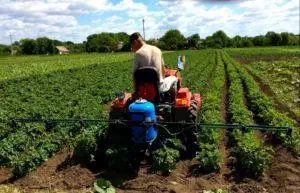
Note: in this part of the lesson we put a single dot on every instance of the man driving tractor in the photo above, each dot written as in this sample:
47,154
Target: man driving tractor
150,56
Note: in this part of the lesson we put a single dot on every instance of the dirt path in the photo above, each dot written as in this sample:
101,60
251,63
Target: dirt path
224,144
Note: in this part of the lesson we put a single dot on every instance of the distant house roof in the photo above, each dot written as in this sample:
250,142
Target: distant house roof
62,48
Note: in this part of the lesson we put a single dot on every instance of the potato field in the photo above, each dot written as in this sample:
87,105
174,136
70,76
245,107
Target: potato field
248,86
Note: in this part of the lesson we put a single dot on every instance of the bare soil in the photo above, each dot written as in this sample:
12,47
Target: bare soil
284,173
283,176
5,175
54,174
224,143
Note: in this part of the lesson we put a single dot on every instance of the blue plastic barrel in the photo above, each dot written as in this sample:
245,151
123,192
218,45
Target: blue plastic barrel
141,111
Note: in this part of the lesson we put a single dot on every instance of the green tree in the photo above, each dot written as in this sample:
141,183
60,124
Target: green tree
294,39
237,42
285,38
57,43
75,48
44,45
123,37
67,43
28,46
103,42
208,42
193,41
4,49
247,42
220,39
172,40
161,45
259,40
273,38
16,43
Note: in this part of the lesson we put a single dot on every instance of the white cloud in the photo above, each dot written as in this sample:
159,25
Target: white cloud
252,17
61,18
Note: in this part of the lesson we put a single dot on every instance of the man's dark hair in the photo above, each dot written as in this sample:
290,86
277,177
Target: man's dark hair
134,36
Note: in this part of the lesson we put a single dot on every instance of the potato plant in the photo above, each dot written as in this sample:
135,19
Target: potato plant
252,157
164,159
264,108
210,157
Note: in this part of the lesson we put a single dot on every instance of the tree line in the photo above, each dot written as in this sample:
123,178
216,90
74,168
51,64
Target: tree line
171,40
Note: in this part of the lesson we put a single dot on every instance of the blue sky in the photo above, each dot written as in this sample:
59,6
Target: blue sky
75,20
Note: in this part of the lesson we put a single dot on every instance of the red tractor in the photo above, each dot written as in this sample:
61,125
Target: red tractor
153,115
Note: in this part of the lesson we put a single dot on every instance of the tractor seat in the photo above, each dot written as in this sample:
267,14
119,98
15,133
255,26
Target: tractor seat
147,84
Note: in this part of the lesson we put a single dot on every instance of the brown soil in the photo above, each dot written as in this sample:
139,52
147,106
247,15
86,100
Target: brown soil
284,173
5,175
269,92
225,150
180,180
52,175
282,176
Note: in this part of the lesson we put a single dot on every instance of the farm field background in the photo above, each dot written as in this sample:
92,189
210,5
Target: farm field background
244,86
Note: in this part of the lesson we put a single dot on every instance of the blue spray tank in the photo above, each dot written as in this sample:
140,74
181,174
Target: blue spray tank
141,111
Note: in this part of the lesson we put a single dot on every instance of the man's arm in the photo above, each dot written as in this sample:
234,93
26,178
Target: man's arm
135,66
135,63
158,62
162,66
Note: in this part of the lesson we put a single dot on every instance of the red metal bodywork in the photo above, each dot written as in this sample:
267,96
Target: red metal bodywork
147,91
169,72
197,98
120,104
183,98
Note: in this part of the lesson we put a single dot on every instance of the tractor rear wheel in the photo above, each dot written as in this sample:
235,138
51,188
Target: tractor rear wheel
189,137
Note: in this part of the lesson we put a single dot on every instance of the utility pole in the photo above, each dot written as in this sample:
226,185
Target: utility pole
144,29
11,45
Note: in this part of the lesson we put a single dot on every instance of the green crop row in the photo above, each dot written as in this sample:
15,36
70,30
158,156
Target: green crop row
42,148
290,51
264,109
27,66
283,79
252,157
78,93
20,141
37,150
210,157
199,70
